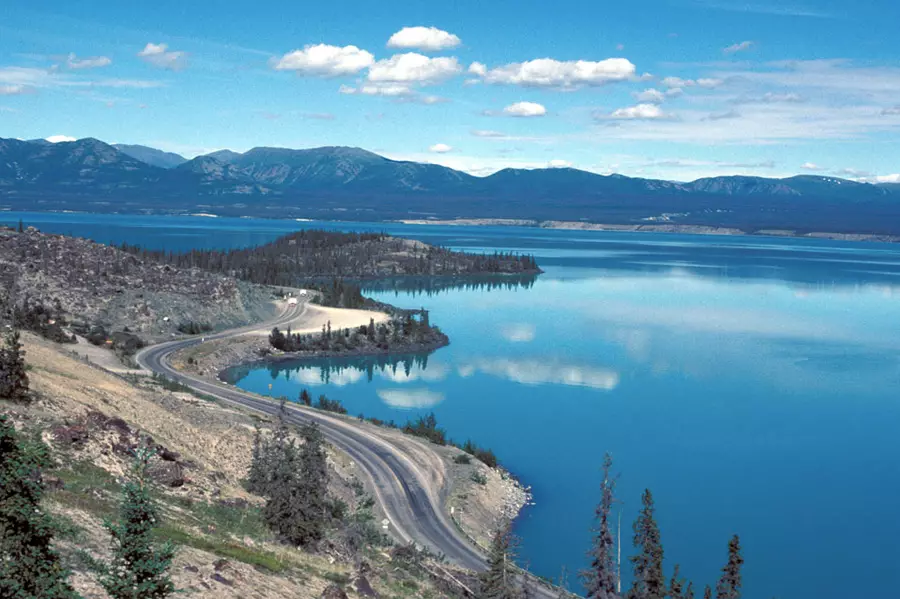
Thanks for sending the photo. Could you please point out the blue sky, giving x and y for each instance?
(673, 89)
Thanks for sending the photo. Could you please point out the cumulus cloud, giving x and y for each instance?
(525, 109)
(414, 68)
(159, 55)
(678, 82)
(440, 148)
(888, 178)
(639, 112)
(477, 68)
(811, 166)
(559, 164)
(738, 47)
(650, 96)
(55, 139)
(566, 75)
(323, 60)
(423, 38)
(91, 62)
(410, 398)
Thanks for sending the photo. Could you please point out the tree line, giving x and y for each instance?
(602, 578)
(325, 254)
(399, 332)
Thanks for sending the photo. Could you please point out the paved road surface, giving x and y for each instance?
(414, 510)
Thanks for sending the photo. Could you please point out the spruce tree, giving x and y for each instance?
(499, 580)
(676, 585)
(139, 568)
(689, 591)
(313, 484)
(257, 477)
(707, 593)
(13, 376)
(29, 566)
(729, 585)
(601, 580)
(649, 581)
(305, 398)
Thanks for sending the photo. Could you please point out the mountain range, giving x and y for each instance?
(351, 183)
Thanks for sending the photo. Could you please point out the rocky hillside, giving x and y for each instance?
(97, 284)
(92, 420)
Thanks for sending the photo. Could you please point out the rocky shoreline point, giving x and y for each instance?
(516, 496)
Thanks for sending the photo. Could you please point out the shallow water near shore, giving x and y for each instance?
(750, 383)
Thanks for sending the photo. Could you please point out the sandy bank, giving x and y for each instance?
(315, 317)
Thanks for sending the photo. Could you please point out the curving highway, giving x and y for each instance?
(401, 489)
(412, 507)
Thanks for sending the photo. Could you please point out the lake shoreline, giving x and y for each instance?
(654, 228)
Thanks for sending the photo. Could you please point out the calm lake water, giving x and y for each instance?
(750, 383)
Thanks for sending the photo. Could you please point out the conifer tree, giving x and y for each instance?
(305, 397)
(676, 585)
(649, 581)
(13, 375)
(29, 567)
(689, 591)
(499, 580)
(139, 568)
(312, 485)
(258, 475)
(707, 593)
(729, 585)
(601, 579)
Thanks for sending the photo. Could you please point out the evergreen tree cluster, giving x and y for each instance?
(316, 253)
(29, 566)
(502, 580)
(13, 374)
(406, 332)
(293, 480)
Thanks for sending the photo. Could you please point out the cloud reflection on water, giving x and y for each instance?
(410, 398)
(533, 371)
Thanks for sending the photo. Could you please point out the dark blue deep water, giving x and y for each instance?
(750, 383)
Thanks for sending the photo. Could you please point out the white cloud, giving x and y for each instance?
(738, 47)
(392, 90)
(888, 178)
(410, 398)
(567, 75)
(811, 166)
(477, 68)
(650, 96)
(440, 148)
(91, 62)
(639, 112)
(55, 139)
(12, 89)
(678, 82)
(159, 55)
(893, 110)
(414, 68)
(423, 38)
(323, 60)
(522, 332)
(557, 163)
(525, 109)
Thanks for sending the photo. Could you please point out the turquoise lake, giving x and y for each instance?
(750, 383)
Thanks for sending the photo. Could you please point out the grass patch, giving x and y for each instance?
(336, 577)
(258, 558)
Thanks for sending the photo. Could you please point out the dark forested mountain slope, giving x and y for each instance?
(151, 156)
(341, 182)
